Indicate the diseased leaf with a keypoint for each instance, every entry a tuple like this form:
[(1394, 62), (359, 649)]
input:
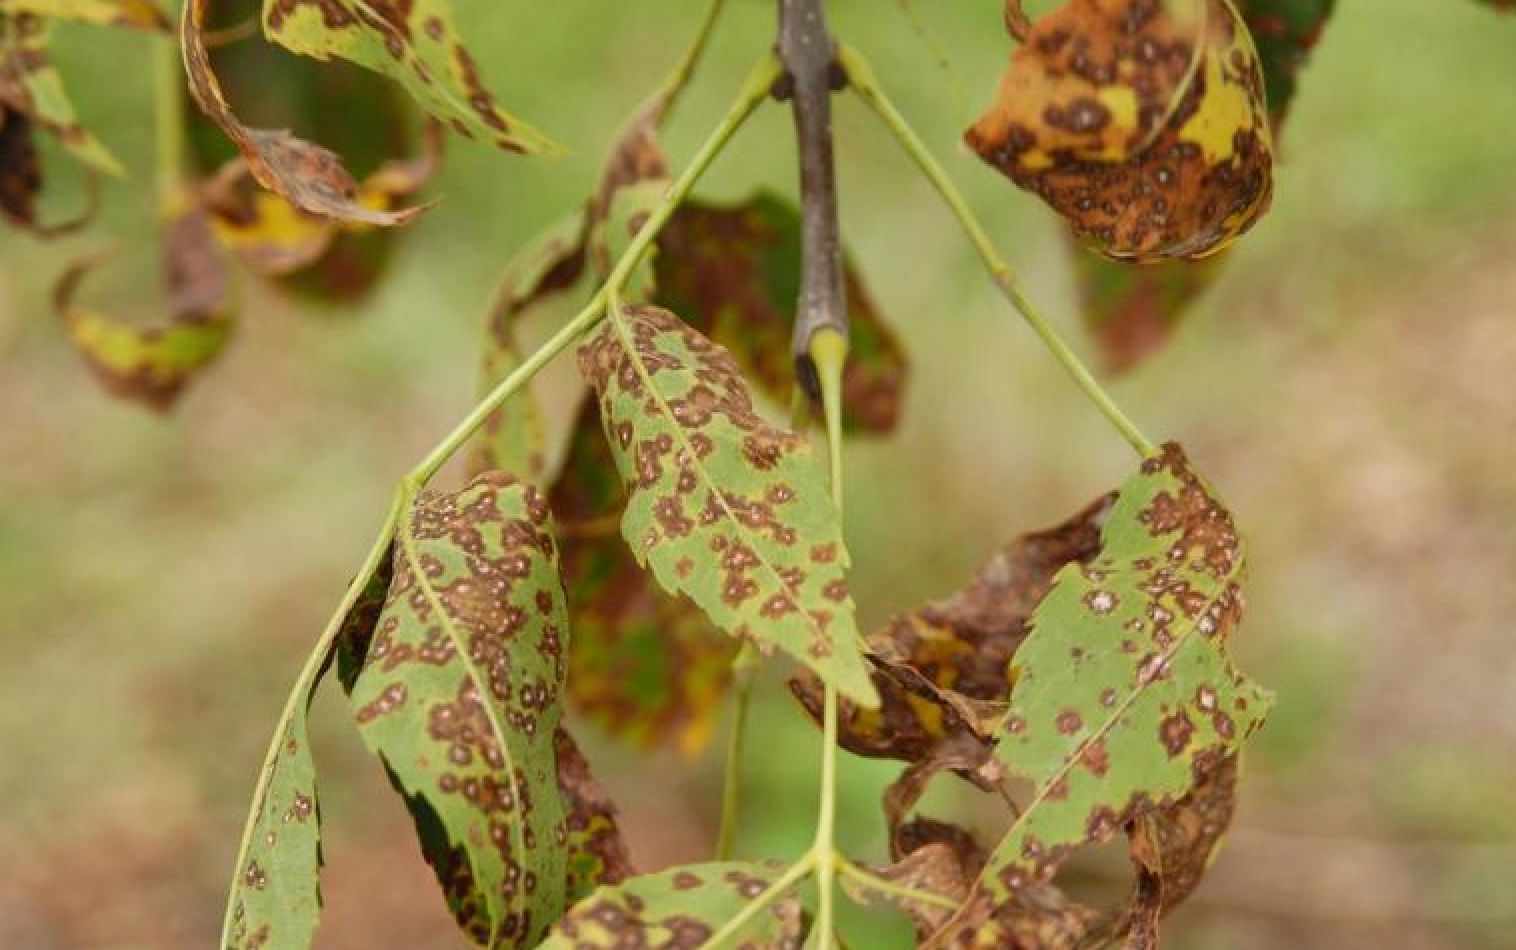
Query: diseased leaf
[(933, 869), (943, 672), (310, 177), (30, 85), (1124, 697), (140, 14), (1142, 122), (725, 508), (597, 854), (276, 238), (276, 895), (459, 695), (1133, 309), (413, 43), (681, 909), (153, 364), (647, 666), (735, 269)]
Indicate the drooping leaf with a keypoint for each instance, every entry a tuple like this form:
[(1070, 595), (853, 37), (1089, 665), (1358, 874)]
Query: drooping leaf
[(310, 177), (30, 85), (725, 508), (152, 364), (633, 181), (459, 695), (1142, 122), (1133, 309), (933, 869), (682, 908), (277, 239), (276, 895), (735, 269), (647, 666), (597, 854), (414, 44), (1124, 697), (140, 14)]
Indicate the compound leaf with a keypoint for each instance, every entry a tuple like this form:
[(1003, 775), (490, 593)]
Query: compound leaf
[(1124, 697), (726, 509), (1141, 122), (153, 364), (413, 43), (682, 908), (459, 694)]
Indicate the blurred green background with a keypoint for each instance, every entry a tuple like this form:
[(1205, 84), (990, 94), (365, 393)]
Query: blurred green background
[(1348, 385)]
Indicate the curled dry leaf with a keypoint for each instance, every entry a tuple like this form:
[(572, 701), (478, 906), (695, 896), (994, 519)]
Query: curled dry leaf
[(310, 177), (726, 509), (276, 238), (934, 869), (1124, 699), (682, 908), (152, 365), (31, 86), (138, 14), (1140, 121), (413, 43), (459, 693)]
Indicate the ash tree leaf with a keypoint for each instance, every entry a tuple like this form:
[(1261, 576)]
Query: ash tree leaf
[(413, 43), (31, 86), (1132, 310), (646, 666), (735, 270), (725, 508), (1124, 697), (137, 14), (682, 908), (934, 869), (276, 896), (310, 177), (152, 365), (459, 694), (1140, 122)]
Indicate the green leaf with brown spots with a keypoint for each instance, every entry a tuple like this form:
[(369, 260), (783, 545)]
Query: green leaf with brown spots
[(276, 896), (735, 270), (646, 666), (727, 509), (138, 14), (414, 43), (682, 908), (459, 694), (1141, 122), (30, 85), (1124, 697), (153, 364)]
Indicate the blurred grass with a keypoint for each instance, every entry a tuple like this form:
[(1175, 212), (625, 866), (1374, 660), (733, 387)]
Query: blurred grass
[(1347, 384)]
